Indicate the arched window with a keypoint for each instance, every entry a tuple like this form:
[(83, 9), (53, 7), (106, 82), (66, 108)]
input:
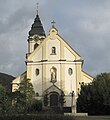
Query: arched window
[(53, 50), (37, 72), (70, 71)]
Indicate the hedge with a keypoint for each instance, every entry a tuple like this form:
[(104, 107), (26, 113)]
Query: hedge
[(37, 117)]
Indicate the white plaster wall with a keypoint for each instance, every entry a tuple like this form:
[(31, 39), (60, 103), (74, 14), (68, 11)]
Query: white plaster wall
[(70, 80), (32, 46), (38, 55), (86, 79), (48, 74), (68, 55), (15, 82), (53, 43), (37, 80)]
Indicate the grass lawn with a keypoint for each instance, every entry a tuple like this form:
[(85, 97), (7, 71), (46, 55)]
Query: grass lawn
[(93, 118)]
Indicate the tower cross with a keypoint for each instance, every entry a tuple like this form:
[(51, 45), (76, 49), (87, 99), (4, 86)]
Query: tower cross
[(53, 23), (37, 7)]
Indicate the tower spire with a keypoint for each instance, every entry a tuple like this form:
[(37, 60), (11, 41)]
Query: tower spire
[(37, 27), (37, 7)]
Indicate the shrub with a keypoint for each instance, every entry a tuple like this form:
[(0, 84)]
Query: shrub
[(35, 106)]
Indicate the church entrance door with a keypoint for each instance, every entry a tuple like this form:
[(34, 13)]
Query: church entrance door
[(54, 100)]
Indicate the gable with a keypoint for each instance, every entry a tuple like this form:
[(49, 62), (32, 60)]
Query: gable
[(70, 51), (63, 49), (38, 55), (53, 88), (37, 51), (68, 54)]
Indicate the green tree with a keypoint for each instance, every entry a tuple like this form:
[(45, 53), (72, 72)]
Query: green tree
[(84, 99), (5, 102), (36, 106), (94, 98), (27, 90), (2, 98), (25, 95)]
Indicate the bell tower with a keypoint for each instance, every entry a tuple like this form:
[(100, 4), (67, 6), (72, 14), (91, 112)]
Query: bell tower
[(36, 34)]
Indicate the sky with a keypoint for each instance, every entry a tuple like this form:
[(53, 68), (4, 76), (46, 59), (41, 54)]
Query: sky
[(84, 24)]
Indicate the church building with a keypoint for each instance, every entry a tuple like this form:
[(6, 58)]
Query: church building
[(53, 67)]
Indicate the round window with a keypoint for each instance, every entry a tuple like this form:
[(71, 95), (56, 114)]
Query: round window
[(37, 72), (70, 71)]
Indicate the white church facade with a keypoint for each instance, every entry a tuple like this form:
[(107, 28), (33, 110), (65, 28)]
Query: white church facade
[(53, 66)]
